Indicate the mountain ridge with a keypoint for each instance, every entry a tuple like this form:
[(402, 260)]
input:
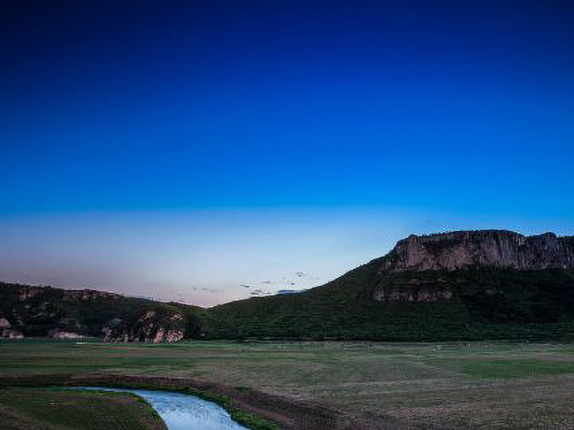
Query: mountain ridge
[(484, 284), (434, 293)]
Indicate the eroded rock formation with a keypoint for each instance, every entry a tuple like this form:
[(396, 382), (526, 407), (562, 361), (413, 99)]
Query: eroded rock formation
[(153, 326), (414, 290), (7, 331), (453, 251), (60, 334), (496, 248)]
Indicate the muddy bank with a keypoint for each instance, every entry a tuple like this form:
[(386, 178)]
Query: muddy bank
[(279, 411)]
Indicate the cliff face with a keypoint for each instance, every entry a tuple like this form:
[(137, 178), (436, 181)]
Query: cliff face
[(399, 277), (413, 290), (161, 324), (493, 248), (6, 329)]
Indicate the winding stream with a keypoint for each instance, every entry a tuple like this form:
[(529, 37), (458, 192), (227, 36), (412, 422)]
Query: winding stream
[(183, 411)]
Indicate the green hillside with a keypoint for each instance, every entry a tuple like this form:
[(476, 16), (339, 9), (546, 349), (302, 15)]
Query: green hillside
[(486, 303), (39, 311)]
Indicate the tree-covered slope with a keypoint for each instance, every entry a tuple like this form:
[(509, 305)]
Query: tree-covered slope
[(485, 303), (33, 311)]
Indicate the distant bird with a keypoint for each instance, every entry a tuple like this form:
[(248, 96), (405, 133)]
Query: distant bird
[(305, 275), (245, 286)]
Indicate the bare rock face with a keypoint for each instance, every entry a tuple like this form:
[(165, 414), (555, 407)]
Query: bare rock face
[(151, 326), (456, 250), (60, 334), (495, 248), (413, 291), (7, 331), (10, 333)]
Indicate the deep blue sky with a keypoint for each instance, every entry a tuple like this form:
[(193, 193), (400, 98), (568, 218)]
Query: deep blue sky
[(462, 109)]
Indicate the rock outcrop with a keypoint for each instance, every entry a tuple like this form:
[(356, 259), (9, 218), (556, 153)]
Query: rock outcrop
[(7, 331), (494, 248), (161, 324), (60, 334), (457, 250), (414, 290)]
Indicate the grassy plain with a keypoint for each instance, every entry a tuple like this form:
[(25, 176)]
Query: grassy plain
[(64, 409), (399, 385)]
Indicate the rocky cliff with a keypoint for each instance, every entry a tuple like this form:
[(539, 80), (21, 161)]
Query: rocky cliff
[(159, 324), (458, 250), (7, 331), (494, 248)]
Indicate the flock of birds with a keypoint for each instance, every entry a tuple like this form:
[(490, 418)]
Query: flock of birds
[(287, 285), (298, 283)]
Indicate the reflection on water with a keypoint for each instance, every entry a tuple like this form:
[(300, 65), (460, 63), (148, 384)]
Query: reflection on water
[(184, 412)]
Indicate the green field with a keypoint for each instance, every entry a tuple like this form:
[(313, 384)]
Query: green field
[(399, 385), (62, 409)]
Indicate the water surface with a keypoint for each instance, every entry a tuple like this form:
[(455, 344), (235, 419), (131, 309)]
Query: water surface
[(183, 411)]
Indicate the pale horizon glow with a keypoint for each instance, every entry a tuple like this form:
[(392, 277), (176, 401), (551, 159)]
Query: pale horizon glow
[(207, 258)]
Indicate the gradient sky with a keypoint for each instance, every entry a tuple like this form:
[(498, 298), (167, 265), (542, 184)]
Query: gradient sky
[(181, 149)]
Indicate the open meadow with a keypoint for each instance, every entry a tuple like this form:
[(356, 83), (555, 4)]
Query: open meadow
[(387, 385), (63, 409)]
